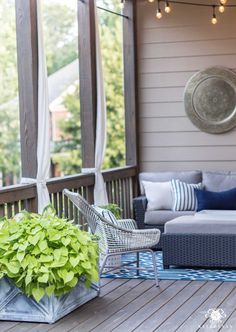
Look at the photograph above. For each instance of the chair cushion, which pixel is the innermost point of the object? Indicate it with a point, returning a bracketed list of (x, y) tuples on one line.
[(184, 197), (159, 195), (219, 181), (108, 215), (210, 200), (160, 217), (185, 176)]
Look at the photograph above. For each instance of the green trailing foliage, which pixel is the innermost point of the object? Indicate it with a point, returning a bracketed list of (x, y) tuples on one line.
[(45, 254)]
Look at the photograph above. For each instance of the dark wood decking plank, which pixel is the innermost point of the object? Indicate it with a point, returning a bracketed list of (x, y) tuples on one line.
[(115, 286), (132, 307), (230, 324), (147, 310), (105, 281), (83, 313), (6, 325), (198, 317), (228, 305), (161, 314), (22, 327), (97, 317), (185, 310)]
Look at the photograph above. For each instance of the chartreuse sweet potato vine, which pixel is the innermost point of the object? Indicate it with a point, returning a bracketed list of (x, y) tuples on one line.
[(44, 254)]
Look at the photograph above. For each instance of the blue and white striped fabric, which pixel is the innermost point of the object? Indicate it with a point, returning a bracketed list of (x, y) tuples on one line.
[(107, 214), (184, 198)]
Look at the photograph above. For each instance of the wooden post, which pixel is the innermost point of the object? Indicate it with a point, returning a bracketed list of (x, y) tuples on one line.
[(87, 76), (27, 55), (130, 81)]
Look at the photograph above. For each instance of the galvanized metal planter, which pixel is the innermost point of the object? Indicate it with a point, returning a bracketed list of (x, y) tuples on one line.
[(16, 306)]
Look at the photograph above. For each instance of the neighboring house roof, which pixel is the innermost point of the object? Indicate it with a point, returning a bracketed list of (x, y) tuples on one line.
[(58, 82), (62, 79)]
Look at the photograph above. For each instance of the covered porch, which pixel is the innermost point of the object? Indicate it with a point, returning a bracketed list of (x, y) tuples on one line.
[(159, 57)]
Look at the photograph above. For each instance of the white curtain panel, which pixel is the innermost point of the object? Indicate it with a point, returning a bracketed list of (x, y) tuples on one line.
[(43, 144), (100, 193), (43, 147)]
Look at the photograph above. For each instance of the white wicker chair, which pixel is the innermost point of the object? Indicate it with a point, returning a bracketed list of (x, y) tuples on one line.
[(117, 240)]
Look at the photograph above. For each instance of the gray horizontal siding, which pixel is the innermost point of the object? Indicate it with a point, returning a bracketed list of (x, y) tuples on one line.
[(170, 51)]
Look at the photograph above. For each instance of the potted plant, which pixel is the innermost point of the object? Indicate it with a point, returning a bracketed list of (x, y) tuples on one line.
[(48, 267)]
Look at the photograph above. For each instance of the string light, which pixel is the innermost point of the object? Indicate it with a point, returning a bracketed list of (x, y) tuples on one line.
[(214, 19), (159, 13), (221, 8), (167, 8)]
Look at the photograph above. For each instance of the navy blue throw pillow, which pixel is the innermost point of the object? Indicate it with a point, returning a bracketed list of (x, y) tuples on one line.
[(210, 200)]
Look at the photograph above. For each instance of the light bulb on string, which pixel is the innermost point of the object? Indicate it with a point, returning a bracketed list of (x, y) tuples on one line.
[(214, 19), (223, 2), (158, 13), (221, 8), (151, 0), (167, 8)]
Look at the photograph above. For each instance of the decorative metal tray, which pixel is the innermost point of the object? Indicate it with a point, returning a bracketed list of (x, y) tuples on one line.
[(210, 99)]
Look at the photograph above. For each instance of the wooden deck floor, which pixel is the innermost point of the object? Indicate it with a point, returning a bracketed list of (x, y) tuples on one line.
[(137, 305)]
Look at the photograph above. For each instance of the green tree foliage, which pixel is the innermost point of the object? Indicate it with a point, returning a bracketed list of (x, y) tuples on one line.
[(9, 116), (60, 34), (61, 49), (60, 29), (111, 47)]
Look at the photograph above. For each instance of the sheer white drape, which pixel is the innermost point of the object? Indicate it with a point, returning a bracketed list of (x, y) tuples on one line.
[(100, 193), (43, 143)]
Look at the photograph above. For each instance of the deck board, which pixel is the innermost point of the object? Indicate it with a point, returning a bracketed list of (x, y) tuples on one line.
[(137, 305), (186, 309), (198, 318)]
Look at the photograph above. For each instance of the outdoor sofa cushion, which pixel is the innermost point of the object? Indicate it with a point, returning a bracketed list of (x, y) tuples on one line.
[(185, 176), (202, 225), (218, 181), (160, 217)]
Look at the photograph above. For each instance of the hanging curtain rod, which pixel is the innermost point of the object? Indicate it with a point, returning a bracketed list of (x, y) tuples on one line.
[(110, 11)]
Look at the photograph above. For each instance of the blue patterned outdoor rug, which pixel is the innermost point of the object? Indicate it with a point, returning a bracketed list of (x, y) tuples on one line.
[(174, 273)]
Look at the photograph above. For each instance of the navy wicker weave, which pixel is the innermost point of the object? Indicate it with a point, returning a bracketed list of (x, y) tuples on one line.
[(202, 250)]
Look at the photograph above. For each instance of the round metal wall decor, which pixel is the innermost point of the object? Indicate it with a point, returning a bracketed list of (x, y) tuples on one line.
[(210, 100)]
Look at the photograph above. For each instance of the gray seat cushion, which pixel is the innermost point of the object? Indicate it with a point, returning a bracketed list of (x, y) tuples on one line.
[(186, 176), (191, 225), (219, 181), (160, 217)]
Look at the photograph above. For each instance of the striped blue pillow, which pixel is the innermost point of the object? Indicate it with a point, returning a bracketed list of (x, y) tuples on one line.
[(107, 214), (184, 197)]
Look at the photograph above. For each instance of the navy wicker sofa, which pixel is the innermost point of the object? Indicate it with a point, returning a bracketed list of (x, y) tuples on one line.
[(188, 249)]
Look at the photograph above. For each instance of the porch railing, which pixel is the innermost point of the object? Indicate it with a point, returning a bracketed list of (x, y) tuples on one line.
[(120, 183)]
